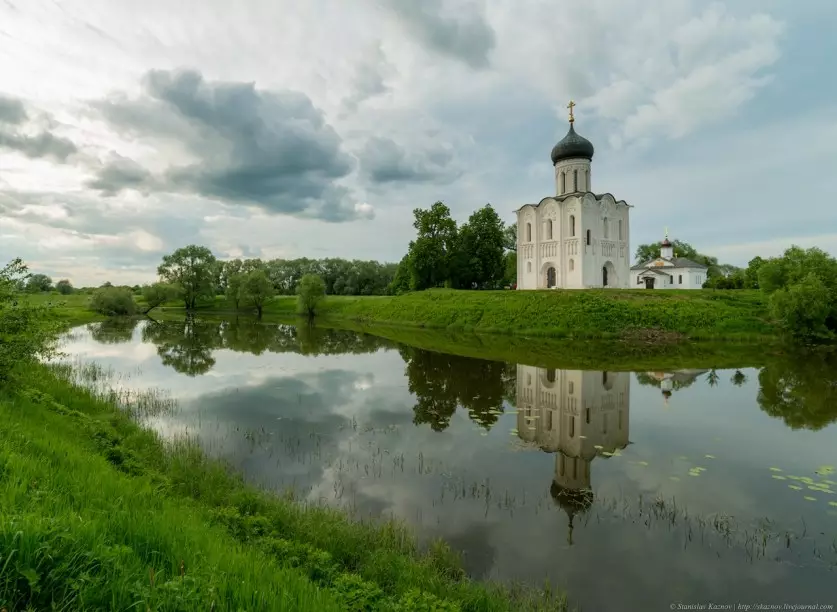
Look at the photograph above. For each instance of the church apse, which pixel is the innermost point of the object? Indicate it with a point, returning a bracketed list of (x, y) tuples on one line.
[(577, 415)]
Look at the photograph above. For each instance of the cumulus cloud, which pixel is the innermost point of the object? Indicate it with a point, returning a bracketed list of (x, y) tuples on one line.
[(370, 78), (271, 149)]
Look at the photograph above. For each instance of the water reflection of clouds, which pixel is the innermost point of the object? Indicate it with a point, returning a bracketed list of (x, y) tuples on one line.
[(322, 422)]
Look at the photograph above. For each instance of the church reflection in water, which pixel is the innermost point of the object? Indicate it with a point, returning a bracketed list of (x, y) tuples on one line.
[(579, 415)]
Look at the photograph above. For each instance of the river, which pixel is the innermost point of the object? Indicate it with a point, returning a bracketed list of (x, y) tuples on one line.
[(631, 490)]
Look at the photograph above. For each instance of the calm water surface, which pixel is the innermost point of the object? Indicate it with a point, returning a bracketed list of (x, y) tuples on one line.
[(631, 490)]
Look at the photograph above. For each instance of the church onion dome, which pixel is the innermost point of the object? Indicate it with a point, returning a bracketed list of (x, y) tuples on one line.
[(572, 146), (665, 243)]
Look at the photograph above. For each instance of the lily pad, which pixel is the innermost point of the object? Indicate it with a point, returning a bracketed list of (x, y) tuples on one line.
[(810, 498), (775, 469), (598, 447), (832, 503), (825, 470), (777, 477), (795, 487), (641, 462), (709, 456)]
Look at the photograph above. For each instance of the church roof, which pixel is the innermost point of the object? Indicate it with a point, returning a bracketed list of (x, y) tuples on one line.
[(574, 194), (677, 262), (571, 146)]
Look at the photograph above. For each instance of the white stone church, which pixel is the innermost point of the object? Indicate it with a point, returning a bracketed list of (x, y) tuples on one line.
[(575, 239)]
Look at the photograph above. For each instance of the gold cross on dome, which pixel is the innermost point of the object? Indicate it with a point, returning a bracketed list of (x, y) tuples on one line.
[(570, 106)]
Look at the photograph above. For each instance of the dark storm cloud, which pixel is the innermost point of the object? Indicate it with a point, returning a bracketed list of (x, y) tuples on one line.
[(382, 160), (42, 144), (468, 40), (270, 149), (11, 110), (121, 173)]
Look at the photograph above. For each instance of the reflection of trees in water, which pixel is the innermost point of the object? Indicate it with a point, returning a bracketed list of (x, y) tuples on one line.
[(114, 330), (442, 382), (800, 391), (187, 346)]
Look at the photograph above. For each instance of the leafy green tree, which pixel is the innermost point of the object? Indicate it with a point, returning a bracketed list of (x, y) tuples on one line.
[(804, 309), (480, 246), (510, 237), (802, 290), (114, 301), (751, 273), (233, 288), (157, 294), (402, 278), (26, 332), (310, 292), (257, 289), (194, 269), (431, 253), (510, 264), (38, 283), (64, 287)]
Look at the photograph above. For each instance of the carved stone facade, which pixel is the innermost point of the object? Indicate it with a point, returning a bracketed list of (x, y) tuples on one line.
[(576, 241)]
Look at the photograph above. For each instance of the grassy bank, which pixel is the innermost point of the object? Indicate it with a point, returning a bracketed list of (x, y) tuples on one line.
[(97, 513), (588, 314), (697, 315)]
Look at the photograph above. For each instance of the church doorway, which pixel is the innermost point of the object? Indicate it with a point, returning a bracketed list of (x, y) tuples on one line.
[(550, 277), (649, 283), (609, 278), (604, 276)]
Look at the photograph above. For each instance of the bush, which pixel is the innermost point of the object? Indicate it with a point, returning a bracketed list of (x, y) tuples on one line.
[(114, 301), (26, 333), (311, 291)]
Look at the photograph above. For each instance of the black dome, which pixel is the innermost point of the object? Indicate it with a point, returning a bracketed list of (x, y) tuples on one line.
[(572, 145)]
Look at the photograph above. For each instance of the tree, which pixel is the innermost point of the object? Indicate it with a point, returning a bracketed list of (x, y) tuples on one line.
[(257, 289), (751, 273), (114, 301), (37, 283), (193, 268), (480, 246), (432, 251), (510, 237), (233, 288), (310, 292), (801, 286), (157, 294), (26, 332), (64, 287)]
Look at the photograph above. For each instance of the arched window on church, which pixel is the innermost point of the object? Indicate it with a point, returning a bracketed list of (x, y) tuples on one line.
[(528, 266), (620, 230), (572, 225), (528, 232), (575, 180), (588, 237), (570, 387), (563, 182), (604, 227), (550, 375), (549, 229), (572, 427), (587, 415), (572, 265), (586, 180)]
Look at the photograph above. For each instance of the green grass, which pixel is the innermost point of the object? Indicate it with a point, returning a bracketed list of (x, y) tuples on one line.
[(97, 513), (587, 314), (697, 314)]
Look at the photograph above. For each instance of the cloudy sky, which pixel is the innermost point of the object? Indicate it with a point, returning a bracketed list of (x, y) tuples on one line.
[(276, 129)]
